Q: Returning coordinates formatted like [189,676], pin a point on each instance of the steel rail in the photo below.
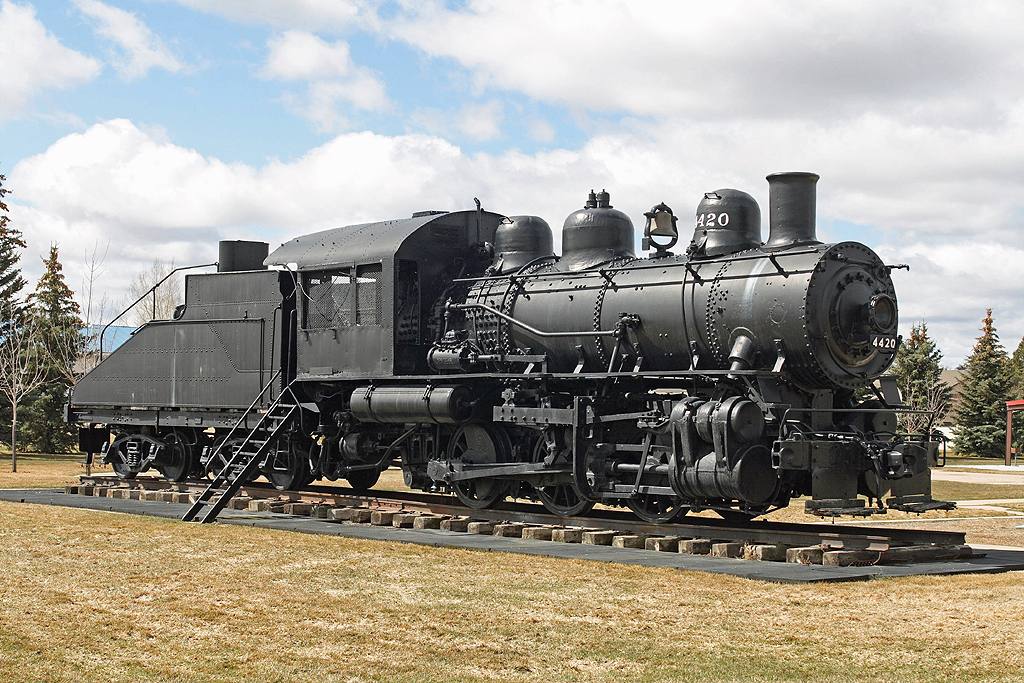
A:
[758,531]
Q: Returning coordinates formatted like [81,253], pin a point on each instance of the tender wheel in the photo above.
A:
[479,444]
[118,460]
[288,467]
[564,499]
[363,480]
[656,509]
[223,452]
[177,458]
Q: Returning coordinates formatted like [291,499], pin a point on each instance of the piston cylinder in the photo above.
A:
[750,479]
[440,405]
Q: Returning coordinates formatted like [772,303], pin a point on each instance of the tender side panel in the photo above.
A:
[219,353]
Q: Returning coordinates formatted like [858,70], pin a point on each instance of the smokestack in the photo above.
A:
[791,203]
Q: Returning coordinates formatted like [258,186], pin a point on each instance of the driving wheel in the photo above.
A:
[479,444]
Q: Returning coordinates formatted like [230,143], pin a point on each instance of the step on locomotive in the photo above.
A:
[733,375]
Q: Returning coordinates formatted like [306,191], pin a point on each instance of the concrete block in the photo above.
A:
[167,496]
[598,537]
[509,530]
[811,555]
[662,544]
[695,546]
[427,522]
[731,549]
[765,553]
[538,533]
[135,494]
[266,505]
[404,520]
[460,524]
[150,495]
[297,508]
[482,528]
[360,515]
[567,535]
[628,541]
[382,517]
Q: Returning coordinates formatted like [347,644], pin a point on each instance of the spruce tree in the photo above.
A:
[980,412]
[1016,372]
[60,331]
[11,279]
[918,369]
[11,284]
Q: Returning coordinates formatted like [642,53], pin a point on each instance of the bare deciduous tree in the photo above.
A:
[167,296]
[22,369]
[936,400]
[95,309]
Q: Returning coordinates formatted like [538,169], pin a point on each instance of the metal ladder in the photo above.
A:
[245,461]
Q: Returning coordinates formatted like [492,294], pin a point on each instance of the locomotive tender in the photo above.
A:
[732,377]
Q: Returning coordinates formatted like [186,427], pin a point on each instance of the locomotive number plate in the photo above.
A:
[884,343]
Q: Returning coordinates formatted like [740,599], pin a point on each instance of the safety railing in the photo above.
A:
[151,290]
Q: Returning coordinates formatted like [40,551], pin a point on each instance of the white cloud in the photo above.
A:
[139,49]
[482,121]
[308,15]
[745,58]
[950,285]
[541,130]
[148,195]
[302,56]
[334,81]
[33,61]
[479,121]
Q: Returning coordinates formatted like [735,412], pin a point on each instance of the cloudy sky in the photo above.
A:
[154,129]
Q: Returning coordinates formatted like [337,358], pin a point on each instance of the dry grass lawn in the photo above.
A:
[90,596]
[43,470]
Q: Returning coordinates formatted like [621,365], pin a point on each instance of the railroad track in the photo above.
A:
[819,543]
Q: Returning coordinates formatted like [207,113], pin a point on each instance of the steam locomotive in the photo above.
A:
[733,376]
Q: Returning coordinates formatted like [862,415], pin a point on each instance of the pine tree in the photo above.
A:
[60,327]
[918,369]
[980,413]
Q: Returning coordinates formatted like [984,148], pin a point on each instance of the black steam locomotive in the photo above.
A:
[730,377]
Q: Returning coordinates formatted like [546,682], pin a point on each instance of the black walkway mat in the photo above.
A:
[994,561]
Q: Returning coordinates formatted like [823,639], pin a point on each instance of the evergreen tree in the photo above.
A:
[11,279]
[11,284]
[60,334]
[984,388]
[918,369]
[1016,372]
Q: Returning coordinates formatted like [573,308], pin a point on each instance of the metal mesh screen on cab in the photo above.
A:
[368,289]
[330,301]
